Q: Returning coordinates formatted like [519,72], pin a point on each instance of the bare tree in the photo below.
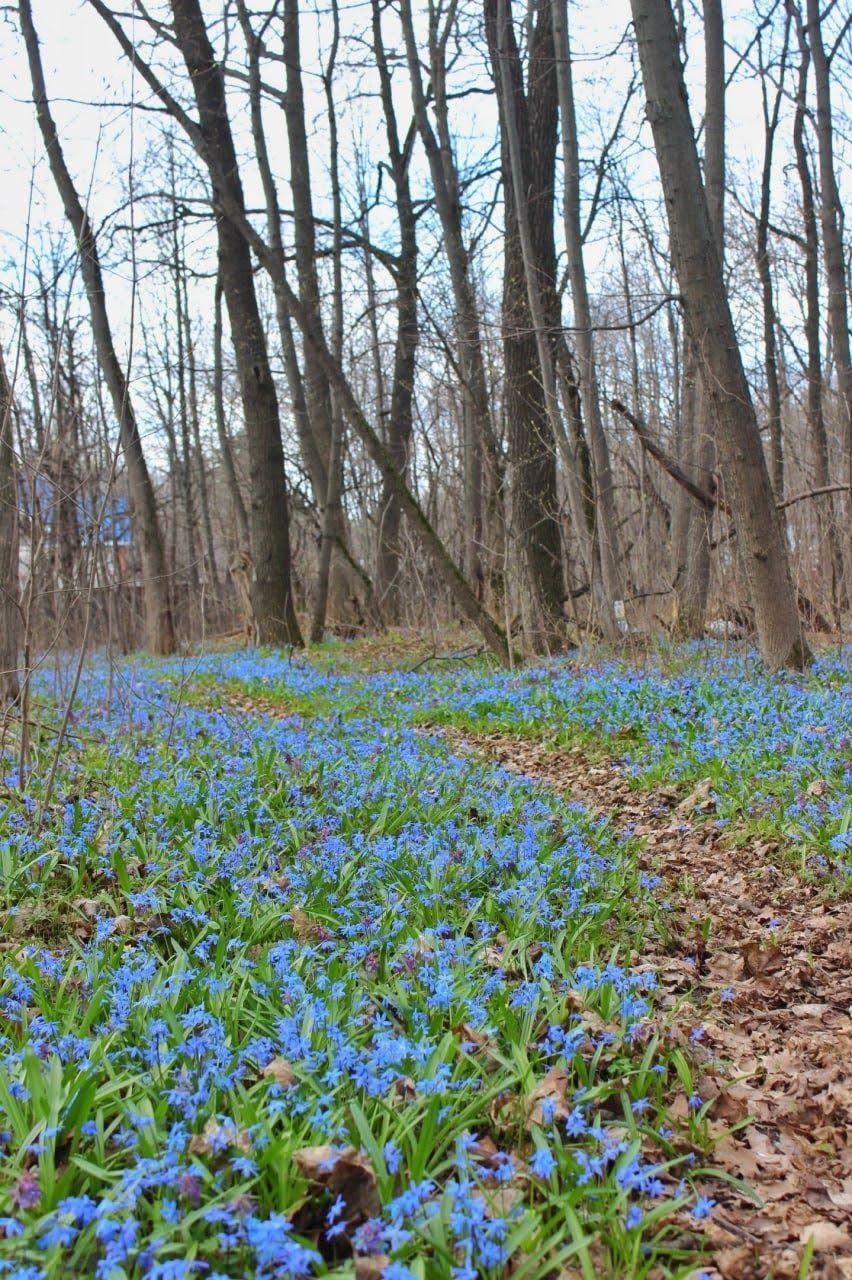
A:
[158,616]
[814,407]
[437,143]
[10,610]
[605,519]
[272,597]
[711,329]
[528,118]
[771,117]
[831,216]
[400,413]
[692,528]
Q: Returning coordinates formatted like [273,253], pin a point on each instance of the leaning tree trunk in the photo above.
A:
[708,319]
[159,626]
[272,597]
[10,613]
[233,208]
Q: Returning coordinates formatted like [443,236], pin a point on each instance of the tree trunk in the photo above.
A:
[814,400]
[692,523]
[272,596]
[329,519]
[764,271]
[709,323]
[195,422]
[605,525]
[231,481]
[347,582]
[185,459]
[159,626]
[831,216]
[445,184]
[399,423]
[530,311]
[317,394]
[10,612]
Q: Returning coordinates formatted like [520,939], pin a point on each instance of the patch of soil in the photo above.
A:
[765,962]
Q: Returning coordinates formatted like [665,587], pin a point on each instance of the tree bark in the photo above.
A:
[272,597]
[530,311]
[317,395]
[692,524]
[400,421]
[195,422]
[831,216]
[709,323]
[10,612]
[764,270]
[479,441]
[347,582]
[185,458]
[814,408]
[605,524]
[159,626]
[225,448]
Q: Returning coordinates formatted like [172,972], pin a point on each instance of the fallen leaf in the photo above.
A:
[548,1100]
[825,1235]
[344,1172]
[280,1071]
[371,1268]
[758,959]
[305,928]
[216,1136]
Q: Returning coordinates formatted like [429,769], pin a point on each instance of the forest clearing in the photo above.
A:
[425,618]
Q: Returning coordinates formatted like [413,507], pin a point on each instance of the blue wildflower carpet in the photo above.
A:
[293,987]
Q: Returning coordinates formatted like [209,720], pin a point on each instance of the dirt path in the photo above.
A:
[771,986]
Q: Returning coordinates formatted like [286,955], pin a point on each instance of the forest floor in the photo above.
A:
[377,961]
[775,1050]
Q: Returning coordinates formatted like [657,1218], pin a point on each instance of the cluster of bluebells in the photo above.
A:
[776,748]
[338,894]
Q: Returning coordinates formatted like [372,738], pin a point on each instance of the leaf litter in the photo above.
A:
[761,960]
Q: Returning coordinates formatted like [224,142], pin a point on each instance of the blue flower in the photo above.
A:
[542,1163]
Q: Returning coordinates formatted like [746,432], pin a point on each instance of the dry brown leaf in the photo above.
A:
[279,1071]
[344,1172]
[549,1099]
[217,1136]
[759,960]
[826,1235]
[305,928]
[371,1268]
[503,1110]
